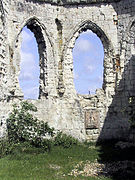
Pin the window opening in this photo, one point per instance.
(88, 55)
(29, 66)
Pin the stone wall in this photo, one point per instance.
(56, 27)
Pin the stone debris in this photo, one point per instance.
(87, 169)
(54, 166)
(123, 168)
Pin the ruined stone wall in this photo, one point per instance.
(4, 63)
(3, 47)
(56, 27)
(116, 122)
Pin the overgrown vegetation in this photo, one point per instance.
(24, 128)
(27, 141)
(27, 162)
(83, 161)
(65, 140)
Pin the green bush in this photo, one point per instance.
(22, 126)
(25, 131)
(64, 140)
(5, 147)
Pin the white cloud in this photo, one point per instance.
(83, 45)
(31, 93)
(29, 72)
(90, 68)
(26, 76)
(76, 76)
(26, 36)
(88, 32)
(26, 57)
(27, 61)
(100, 78)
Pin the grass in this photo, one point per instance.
(33, 164)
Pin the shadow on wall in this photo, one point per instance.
(118, 155)
(124, 7)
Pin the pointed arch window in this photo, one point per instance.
(88, 56)
(29, 67)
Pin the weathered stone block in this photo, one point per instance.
(92, 119)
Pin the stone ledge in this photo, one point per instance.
(73, 2)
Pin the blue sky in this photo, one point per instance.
(30, 71)
(88, 57)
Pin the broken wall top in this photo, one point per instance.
(66, 2)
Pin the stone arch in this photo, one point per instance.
(40, 24)
(89, 25)
(34, 25)
(109, 55)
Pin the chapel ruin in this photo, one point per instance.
(56, 25)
